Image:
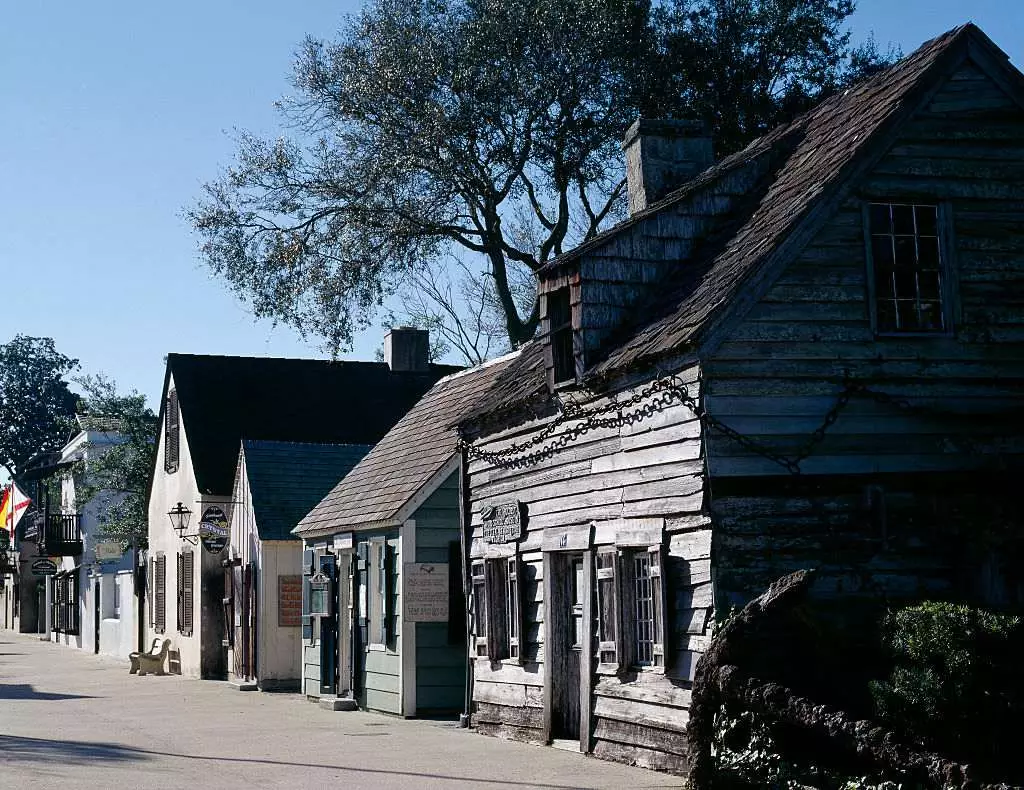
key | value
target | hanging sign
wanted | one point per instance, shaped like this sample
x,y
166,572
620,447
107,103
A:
x,y
108,550
44,567
425,592
213,530
503,523
320,595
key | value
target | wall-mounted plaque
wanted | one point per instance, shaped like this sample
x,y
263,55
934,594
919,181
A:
x,y
504,523
289,600
213,530
425,592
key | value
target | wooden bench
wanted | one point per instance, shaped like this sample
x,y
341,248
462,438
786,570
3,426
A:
x,y
152,661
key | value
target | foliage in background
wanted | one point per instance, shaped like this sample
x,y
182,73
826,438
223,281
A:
x,y
117,474
956,681
37,408
490,128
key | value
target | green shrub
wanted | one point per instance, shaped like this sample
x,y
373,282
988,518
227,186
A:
x,y
954,682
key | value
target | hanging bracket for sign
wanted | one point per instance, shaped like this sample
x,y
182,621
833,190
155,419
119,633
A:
x,y
503,523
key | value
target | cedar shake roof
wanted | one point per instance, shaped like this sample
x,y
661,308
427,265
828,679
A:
x,y
286,479
225,399
419,447
806,163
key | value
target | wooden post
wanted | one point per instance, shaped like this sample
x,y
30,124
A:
x,y
549,657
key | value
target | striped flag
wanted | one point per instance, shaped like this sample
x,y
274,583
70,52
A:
x,y
13,503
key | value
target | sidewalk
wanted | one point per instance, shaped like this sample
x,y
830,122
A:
x,y
68,718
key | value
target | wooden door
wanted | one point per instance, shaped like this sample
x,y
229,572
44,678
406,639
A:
x,y
346,622
249,621
96,620
568,634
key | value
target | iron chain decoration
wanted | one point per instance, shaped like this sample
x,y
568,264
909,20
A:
x,y
661,393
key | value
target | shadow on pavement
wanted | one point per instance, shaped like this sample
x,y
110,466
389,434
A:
x,y
26,691
15,748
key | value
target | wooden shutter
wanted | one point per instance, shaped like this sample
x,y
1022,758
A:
x,y
188,591
478,574
150,589
384,564
456,596
515,620
609,612
497,613
171,432
161,594
658,584
179,592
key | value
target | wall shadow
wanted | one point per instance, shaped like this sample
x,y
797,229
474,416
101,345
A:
x,y
39,750
25,691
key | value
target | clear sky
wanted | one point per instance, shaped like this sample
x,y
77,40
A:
x,y
114,113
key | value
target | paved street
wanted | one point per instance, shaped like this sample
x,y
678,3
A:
x,y
70,719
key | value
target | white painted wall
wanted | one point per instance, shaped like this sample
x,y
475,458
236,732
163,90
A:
x,y
167,491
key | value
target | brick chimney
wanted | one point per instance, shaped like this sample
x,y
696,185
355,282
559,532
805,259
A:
x,y
407,349
662,156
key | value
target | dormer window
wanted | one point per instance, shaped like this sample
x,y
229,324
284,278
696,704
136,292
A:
x,y
907,268
560,334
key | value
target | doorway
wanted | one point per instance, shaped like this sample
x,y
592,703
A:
x,y
96,619
567,636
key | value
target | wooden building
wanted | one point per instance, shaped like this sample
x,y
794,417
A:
x,y
809,355
276,484
385,625
209,405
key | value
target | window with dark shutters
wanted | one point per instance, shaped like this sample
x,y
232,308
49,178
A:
x,y
188,591
160,624
171,432
631,609
180,590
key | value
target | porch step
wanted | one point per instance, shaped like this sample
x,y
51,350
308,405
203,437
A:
x,y
338,703
243,685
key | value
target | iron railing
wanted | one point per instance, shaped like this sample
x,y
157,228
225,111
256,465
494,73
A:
x,y
61,535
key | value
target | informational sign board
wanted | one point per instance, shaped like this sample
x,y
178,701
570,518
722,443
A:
x,y
44,567
213,530
289,601
503,523
108,550
425,592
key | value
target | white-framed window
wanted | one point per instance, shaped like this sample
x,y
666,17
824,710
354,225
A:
x,y
908,272
380,594
497,599
631,608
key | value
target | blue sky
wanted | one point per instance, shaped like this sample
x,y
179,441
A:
x,y
115,113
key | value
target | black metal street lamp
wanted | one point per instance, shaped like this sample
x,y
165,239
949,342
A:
x,y
179,515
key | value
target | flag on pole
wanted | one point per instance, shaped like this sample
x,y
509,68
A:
x,y
13,503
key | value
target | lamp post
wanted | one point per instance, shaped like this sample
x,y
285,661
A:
x,y
179,516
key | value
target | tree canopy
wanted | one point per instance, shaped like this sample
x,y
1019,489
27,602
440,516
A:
x,y
490,127
37,407
119,473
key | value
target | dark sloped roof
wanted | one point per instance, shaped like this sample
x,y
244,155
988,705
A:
x,y
225,399
286,479
810,158
416,449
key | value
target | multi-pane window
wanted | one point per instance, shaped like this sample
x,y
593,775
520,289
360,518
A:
x,y
559,311
631,609
907,265
498,608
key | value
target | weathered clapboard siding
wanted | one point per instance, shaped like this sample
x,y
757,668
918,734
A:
x,y
616,482
440,657
779,371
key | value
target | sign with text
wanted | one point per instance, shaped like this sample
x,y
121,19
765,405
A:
x,y
108,550
213,530
289,601
44,567
425,592
503,523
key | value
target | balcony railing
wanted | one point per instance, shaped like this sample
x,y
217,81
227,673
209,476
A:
x,y
61,535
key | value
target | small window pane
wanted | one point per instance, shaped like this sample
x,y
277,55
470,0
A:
x,y
906,282
906,315
643,596
881,251
887,316
929,283
906,251
880,222
927,223
903,220
928,253
931,316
